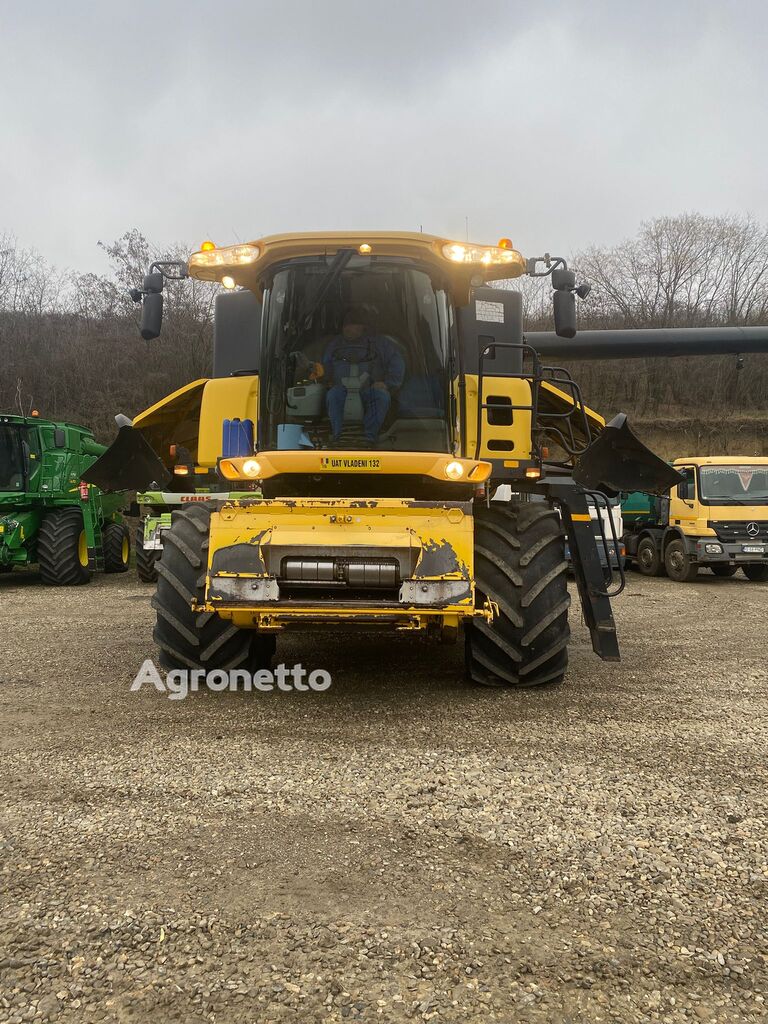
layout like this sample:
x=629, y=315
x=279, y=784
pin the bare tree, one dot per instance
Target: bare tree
x=73, y=341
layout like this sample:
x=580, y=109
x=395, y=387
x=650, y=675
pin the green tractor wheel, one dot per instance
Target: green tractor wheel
x=62, y=549
x=146, y=560
x=520, y=566
x=117, y=547
x=190, y=639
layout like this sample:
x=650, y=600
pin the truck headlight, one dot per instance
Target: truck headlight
x=713, y=549
x=252, y=467
x=454, y=470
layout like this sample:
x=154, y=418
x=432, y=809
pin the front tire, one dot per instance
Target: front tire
x=755, y=573
x=62, y=551
x=146, y=560
x=724, y=571
x=197, y=640
x=679, y=567
x=519, y=565
x=117, y=547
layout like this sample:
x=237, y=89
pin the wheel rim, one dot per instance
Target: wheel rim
x=125, y=551
x=646, y=558
x=82, y=550
x=676, y=561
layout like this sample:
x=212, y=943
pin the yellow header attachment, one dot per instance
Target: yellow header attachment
x=243, y=264
x=264, y=465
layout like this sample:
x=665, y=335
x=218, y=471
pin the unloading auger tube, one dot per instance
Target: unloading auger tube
x=650, y=343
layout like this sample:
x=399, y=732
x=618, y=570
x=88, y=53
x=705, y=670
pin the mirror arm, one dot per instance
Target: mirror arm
x=164, y=267
x=550, y=263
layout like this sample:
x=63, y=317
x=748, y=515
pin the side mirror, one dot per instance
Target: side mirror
x=563, y=280
x=565, y=314
x=153, y=282
x=151, y=315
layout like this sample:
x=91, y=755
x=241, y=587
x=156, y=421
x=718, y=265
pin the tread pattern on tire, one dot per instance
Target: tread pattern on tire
x=520, y=565
x=113, y=536
x=190, y=639
x=146, y=560
x=657, y=568
x=57, y=549
x=690, y=570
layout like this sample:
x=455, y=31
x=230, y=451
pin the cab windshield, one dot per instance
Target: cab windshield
x=356, y=355
x=11, y=458
x=734, y=485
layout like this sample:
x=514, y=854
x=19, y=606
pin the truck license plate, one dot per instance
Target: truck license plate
x=753, y=549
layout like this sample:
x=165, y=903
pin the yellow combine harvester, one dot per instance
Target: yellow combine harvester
x=377, y=391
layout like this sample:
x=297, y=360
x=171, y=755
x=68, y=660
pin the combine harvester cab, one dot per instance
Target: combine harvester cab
x=48, y=515
x=391, y=391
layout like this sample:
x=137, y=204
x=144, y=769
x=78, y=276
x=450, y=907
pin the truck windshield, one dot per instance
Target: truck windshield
x=11, y=458
x=356, y=355
x=734, y=485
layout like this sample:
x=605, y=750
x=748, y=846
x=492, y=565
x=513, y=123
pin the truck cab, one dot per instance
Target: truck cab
x=715, y=518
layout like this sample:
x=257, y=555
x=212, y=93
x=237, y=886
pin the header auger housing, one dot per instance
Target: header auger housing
x=385, y=390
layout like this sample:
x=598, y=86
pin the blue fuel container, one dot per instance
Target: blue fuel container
x=237, y=440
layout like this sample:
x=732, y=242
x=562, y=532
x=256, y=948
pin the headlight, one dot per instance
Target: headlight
x=228, y=256
x=454, y=471
x=713, y=549
x=252, y=467
x=484, y=255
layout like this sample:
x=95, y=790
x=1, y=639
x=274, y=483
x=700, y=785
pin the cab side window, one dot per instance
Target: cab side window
x=687, y=488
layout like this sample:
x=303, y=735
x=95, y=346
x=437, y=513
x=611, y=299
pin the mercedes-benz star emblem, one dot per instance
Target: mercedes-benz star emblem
x=753, y=529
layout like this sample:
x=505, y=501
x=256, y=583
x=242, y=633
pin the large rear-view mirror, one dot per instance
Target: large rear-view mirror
x=151, y=315
x=565, y=314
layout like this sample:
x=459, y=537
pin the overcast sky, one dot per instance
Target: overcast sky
x=557, y=124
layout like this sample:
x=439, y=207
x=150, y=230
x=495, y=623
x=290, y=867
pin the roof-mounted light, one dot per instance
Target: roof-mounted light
x=228, y=256
x=484, y=255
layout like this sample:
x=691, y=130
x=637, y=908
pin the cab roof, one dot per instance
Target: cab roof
x=273, y=249
x=40, y=421
x=723, y=460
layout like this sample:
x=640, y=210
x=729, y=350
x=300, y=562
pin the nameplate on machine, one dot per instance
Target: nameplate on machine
x=350, y=465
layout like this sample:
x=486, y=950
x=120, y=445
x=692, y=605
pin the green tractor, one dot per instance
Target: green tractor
x=48, y=515
x=156, y=510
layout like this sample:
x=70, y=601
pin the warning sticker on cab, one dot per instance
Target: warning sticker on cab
x=349, y=464
x=489, y=312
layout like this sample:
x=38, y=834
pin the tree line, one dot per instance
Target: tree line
x=69, y=343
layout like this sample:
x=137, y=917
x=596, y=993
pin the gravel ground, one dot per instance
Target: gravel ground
x=400, y=847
